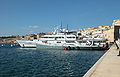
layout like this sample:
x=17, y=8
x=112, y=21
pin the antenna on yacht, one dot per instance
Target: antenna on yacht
x=61, y=26
x=67, y=29
x=67, y=26
x=57, y=29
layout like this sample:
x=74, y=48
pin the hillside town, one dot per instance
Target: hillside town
x=107, y=32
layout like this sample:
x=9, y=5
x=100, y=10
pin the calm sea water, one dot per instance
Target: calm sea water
x=18, y=62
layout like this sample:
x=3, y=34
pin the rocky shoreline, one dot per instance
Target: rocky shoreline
x=9, y=39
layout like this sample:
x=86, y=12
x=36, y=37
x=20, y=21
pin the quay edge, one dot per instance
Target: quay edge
x=90, y=72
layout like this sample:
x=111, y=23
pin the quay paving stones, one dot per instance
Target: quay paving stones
x=107, y=66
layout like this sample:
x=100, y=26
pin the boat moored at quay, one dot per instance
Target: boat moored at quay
x=88, y=44
x=55, y=41
x=68, y=40
x=64, y=39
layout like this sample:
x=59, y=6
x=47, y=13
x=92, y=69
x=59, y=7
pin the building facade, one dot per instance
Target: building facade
x=116, y=25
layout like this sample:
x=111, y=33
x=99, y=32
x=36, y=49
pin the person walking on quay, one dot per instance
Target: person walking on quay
x=118, y=47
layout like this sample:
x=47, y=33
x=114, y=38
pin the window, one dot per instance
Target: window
x=84, y=41
x=44, y=41
x=80, y=41
x=45, y=37
x=59, y=37
x=70, y=37
x=58, y=41
x=70, y=41
x=51, y=37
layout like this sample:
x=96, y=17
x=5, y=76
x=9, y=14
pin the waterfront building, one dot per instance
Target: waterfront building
x=109, y=34
x=106, y=32
x=116, y=25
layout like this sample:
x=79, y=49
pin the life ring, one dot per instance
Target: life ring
x=64, y=47
x=89, y=43
x=69, y=48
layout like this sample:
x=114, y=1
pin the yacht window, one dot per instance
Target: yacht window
x=45, y=37
x=70, y=37
x=70, y=41
x=84, y=41
x=95, y=41
x=51, y=37
x=60, y=37
x=44, y=41
x=80, y=41
x=58, y=41
x=99, y=41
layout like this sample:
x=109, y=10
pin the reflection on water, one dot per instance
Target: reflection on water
x=27, y=48
x=20, y=62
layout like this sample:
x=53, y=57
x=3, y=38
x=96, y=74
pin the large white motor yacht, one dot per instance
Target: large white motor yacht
x=56, y=40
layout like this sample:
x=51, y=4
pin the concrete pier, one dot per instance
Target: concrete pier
x=107, y=66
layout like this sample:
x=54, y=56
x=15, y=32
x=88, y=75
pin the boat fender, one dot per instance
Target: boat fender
x=64, y=47
x=104, y=47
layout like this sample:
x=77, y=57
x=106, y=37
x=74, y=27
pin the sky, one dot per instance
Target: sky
x=21, y=17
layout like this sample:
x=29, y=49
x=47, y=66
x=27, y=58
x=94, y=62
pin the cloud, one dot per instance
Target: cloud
x=31, y=31
x=33, y=26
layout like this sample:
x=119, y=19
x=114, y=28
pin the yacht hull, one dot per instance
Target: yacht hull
x=48, y=47
x=27, y=44
x=84, y=47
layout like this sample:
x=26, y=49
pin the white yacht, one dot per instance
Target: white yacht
x=88, y=43
x=56, y=40
x=64, y=40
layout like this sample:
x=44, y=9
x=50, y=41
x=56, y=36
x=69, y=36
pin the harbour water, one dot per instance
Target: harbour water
x=24, y=62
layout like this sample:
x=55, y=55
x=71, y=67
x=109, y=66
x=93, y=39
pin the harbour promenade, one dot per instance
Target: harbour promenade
x=107, y=66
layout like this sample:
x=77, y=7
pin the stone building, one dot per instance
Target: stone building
x=30, y=37
x=109, y=34
x=116, y=25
